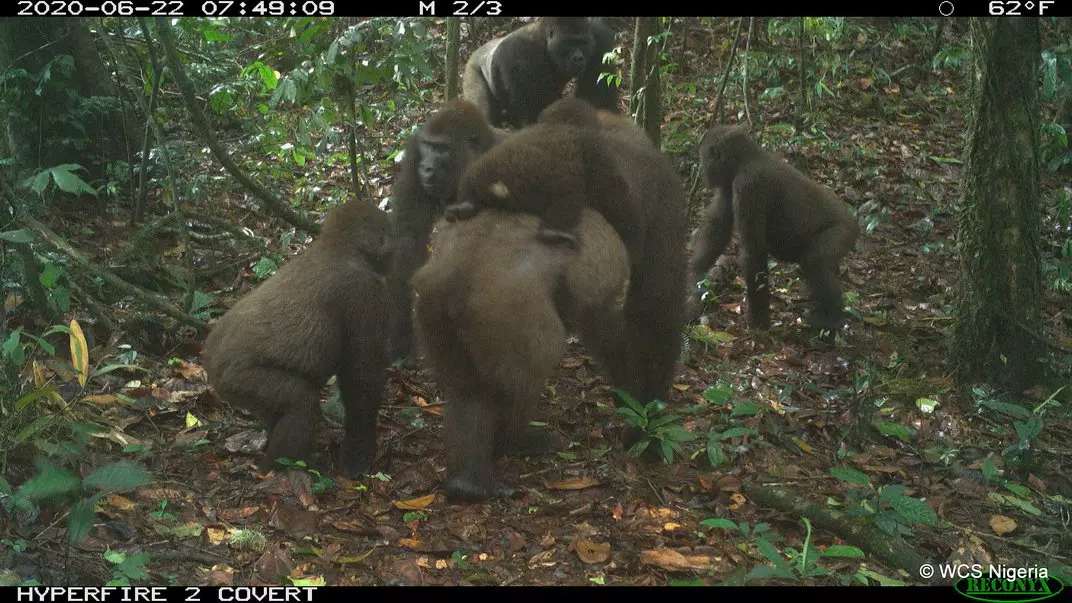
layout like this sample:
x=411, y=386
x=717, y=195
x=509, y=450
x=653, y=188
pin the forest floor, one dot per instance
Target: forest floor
x=878, y=408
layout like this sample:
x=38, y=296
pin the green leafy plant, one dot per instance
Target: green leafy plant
x=888, y=507
x=56, y=486
x=657, y=426
x=127, y=568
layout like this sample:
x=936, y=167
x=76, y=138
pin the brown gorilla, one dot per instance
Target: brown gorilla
x=427, y=182
x=493, y=306
x=323, y=313
x=581, y=114
x=555, y=170
x=514, y=77
x=776, y=210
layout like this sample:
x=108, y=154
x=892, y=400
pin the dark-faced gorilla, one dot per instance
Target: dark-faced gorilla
x=493, y=307
x=514, y=77
x=323, y=313
x=556, y=170
x=776, y=210
x=427, y=182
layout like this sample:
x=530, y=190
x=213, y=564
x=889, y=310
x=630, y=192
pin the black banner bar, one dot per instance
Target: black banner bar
x=337, y=594
x=522, y=8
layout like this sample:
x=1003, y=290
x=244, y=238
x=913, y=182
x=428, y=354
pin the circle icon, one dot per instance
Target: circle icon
x=945, y=8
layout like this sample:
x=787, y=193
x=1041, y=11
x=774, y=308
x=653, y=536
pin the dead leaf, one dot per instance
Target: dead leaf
x=297, y=523
x=120, y=502
x=274, y=562
x=1002, y=525
x=673, y=561
x=220, y=575
x=355, y=558
x=102, y=399
x=247, y=441
x=301, y=484
x=215, y=535
x=418, y=545
x=543, y=558
x=737, y=501
x=237, y=514
x=191, y=371
x=590, y=551
x=415, y=504
x=186, y=437
x=681, y=387
x=159, y=494
x=515, y=542
x=804, y=446
x=577, y=483
x=570, y=362
x=117, y=436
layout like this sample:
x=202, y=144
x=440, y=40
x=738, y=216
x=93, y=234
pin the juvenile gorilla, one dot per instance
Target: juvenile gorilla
x=777, y=211
x=514, y=77
x=556, y=170
x=581, y=114
x=493, y=307
x=427, y=182
x=323, y=313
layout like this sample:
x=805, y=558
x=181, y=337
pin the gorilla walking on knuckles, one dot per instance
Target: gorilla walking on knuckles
x=323, y=313
x=514, y=77
x=427, y=181
x=776, y=210
x=558, y=168
x=492, y=307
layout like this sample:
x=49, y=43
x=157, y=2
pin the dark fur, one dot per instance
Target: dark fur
x=493, y=306
x=426, y=183
x=555, y=171
x=323, y=313
x=777, y=211
x=581, y=114
x=514, y=77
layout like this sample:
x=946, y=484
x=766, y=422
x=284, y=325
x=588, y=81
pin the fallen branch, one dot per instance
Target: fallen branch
x=271, y=203
x=157, y=302
x=891, y=550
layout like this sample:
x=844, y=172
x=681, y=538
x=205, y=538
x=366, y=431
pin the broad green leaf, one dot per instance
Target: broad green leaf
x=851, y=476
x=118, y=476
x=22, y=235
x=843, y=551
x=50, y=481
x=80, y=519
x=914, y=510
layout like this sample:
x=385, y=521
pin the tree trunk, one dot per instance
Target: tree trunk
x=451, y=68
x=38, y=126
x=998, y=321
x=644, y=79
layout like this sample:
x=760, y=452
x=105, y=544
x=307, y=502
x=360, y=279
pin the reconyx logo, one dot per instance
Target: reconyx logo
x=1000, y=590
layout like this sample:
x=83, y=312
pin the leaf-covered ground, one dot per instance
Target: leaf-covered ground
x=784, y=411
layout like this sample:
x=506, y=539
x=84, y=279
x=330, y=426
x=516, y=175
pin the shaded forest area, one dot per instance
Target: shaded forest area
x=155, y=172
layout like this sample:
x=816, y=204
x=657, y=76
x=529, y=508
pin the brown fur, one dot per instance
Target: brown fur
x=493, y=306
x=447, y=142
x=514, y=77
x=323, y=313
x=581, y=114
x=557, y=170
x=777, y=211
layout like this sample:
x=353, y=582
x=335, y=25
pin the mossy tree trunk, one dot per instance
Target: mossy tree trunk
x=998, y=323
x=646, y=100
x=74, y=117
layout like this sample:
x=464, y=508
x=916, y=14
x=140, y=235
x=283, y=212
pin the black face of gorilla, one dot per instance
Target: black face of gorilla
x=570, y=44
x=442, y=158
